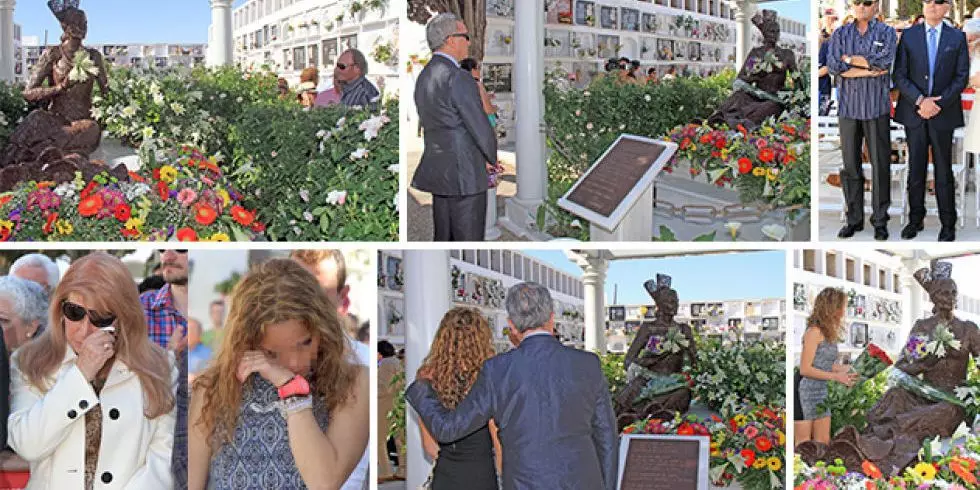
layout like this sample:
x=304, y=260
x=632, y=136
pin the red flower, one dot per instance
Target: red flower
x=685, y=429
x=763, y=444
x=789, y=129
x=788, y=158
x=163, y=190
x=4, y=234
x=133, y=233
x=686, y=142
x=88, y=190
x=258, y=227
x=744, y=165
x=204, y=214
x=90, y=206
x=242, y=216
x=629, y=430
x=156, y=174
x=715, y=154
x=136, y=177
x=6, y=199
x=720, y=143
x=705, y=138
x=187, y=234
x=49, y=224
x=123, y=212
x=749, y=456
x=870, y=470
x=767, y=155
x=768, y=413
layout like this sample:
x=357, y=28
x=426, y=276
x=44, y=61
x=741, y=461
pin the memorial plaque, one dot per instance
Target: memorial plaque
x=611, y=186
x=661, y=462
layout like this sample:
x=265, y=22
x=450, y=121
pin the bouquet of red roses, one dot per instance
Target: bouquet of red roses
x=872, y=361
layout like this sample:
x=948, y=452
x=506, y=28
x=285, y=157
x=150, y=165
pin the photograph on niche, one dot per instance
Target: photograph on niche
x=727, y=161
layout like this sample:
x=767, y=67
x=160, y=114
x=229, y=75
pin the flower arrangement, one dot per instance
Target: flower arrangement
x=731, y=376
x=670, y=343
x=385, y=53
x=871, y=362
x=916, y=347
x=83, y=67
x=749, y=447
x=182, y=196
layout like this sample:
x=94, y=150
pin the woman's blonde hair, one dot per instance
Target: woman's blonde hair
x=105, y=285
x=826, y=313
x=274, y=292
x=462, y=344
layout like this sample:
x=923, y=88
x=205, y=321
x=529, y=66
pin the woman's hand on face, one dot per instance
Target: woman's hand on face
x=97, y=348
x=257, y=362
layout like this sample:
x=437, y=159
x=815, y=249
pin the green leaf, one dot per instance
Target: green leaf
x=666, y=234
x=707, y=237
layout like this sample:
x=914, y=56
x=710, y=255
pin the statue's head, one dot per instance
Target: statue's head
x=663, y=295
x=937, y=280
x=73, y=21
x=768, y=24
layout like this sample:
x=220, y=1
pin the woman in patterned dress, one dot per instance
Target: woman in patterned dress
x=284, y=405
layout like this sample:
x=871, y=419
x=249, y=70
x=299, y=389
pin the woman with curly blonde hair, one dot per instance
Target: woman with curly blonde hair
x=824, y=328
x=285, y=404
x=92, y=398
x=462, y=344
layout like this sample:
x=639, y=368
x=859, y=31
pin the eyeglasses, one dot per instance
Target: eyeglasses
x=182, y=252
x=463, y=35
x=76, y=313
x=342, y=66
x=937, y=2
x=866, y=3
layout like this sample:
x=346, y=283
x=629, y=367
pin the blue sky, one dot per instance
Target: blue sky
x=187, y=21
x=124, y=21
x=749, y=275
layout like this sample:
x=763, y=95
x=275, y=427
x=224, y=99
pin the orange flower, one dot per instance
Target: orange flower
x=204, y=214
x=87, y=190
x=6, y=199
x=767, y=155
x=744, y=165
x=187, y=234
x=136, y=177
x=123, y=212
x=964, y=468
x=130, y=233
x=870, y=470
x=242, y=216
x=629, y=430
x=163, y=190
x=749, y=456
x=763, y=444
x=90, y=206
x=686, y=142
x=49, y=224
x=685, y=429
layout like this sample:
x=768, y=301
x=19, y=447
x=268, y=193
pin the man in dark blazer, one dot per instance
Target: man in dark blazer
x=460, y=145
x=551, y=404
x=931, y=70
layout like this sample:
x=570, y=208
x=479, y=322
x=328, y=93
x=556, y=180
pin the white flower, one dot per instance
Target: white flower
x=647, y=98
x=148, y=132
x=393, y=168
x=178, y=108
x=733, y=227
x=292, y=222
x=337, y=197
x=578, y=112
x=96, y=112
x=308, y=216
x=239, y=100
x=586, y=93
x=589, y=126
x=341, y=122
x=622, y=127
x=223, y=95
x=297, y=231
x=372, y=126
x=395, y=203
x=321, y=133
x=274, y=154
x=359, y=154
x=775, y=232
x=576, y=224
x=129, y=111
x=304, y=195
x=158, y=99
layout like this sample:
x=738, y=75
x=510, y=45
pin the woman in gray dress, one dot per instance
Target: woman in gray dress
x=824, y=329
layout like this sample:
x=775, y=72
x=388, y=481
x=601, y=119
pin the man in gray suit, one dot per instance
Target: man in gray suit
x=551, y=404
x=460, y=145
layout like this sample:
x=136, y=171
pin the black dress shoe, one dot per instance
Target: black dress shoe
x=947, y=235
x=911, y=230
x=881, y=233
x=849, y=230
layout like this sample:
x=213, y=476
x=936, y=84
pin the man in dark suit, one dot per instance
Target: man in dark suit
x=931, y=70
x=551, y=404
x=460, y=145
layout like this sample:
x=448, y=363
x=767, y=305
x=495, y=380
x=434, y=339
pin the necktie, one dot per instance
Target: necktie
x=933, y=47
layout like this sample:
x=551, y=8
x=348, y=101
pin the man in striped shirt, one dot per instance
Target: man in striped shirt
x=350, y=76
x=860, y=54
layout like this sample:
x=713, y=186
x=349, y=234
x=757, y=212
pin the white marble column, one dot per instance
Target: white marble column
x=7, y=40
x=220, y=52
x=594, y=281
x=744, y=10
x=912, y=293
x=427, y=298
x=528, y=72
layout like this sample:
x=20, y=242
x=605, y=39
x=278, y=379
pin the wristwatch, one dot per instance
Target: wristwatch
x=298, y=386
x=295, y=404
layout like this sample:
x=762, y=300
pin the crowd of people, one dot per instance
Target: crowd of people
x=350, y=85
x=912, y=72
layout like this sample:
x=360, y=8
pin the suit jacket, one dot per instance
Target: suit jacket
x=911, y=76
x=48, y=430
x=459, y=141
x=553, y=409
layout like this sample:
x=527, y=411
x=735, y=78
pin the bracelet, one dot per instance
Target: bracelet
x=295, y=404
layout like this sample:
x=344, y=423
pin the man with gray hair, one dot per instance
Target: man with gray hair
x=38, y=268
x=23, y=310
x=350, y=79
x=551, y=404
x=460, y=145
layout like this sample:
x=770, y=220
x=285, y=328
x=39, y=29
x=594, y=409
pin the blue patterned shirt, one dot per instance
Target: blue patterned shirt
x=866, y=97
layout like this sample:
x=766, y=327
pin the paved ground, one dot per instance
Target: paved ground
x=830, y=199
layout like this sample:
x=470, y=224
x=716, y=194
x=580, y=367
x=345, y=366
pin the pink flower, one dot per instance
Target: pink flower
x=751, y=432
x=187, y=196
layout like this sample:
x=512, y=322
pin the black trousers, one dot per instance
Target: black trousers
x=920, y=140
x=877, y=134
x=459, y=218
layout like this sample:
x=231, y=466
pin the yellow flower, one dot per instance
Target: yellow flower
x=759, y=172
x=767, y=131
x=219, y=237
x=759, y=464
x=693, y=148
x=7, y=224
x=771, y=174
x=224, y=196
x=925, y=471
x=714, y=449
x=64, y=227
x=740, y=420
x=775, y=464
x=134, y=224
x=782, y=437
x=168, y=174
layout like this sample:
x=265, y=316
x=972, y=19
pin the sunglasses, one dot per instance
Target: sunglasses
x=937, y=2
x=342, y=66
x=462, y=35
x=866, y=3
x=182, y=252
x=77, y=313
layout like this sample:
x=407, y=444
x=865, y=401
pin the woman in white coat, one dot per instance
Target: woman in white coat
x=92, y=398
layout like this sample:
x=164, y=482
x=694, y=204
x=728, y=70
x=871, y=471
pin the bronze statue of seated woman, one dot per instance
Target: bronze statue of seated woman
x=57, y=139
x=763, y=75
x=922, y=402
x=655, y=383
